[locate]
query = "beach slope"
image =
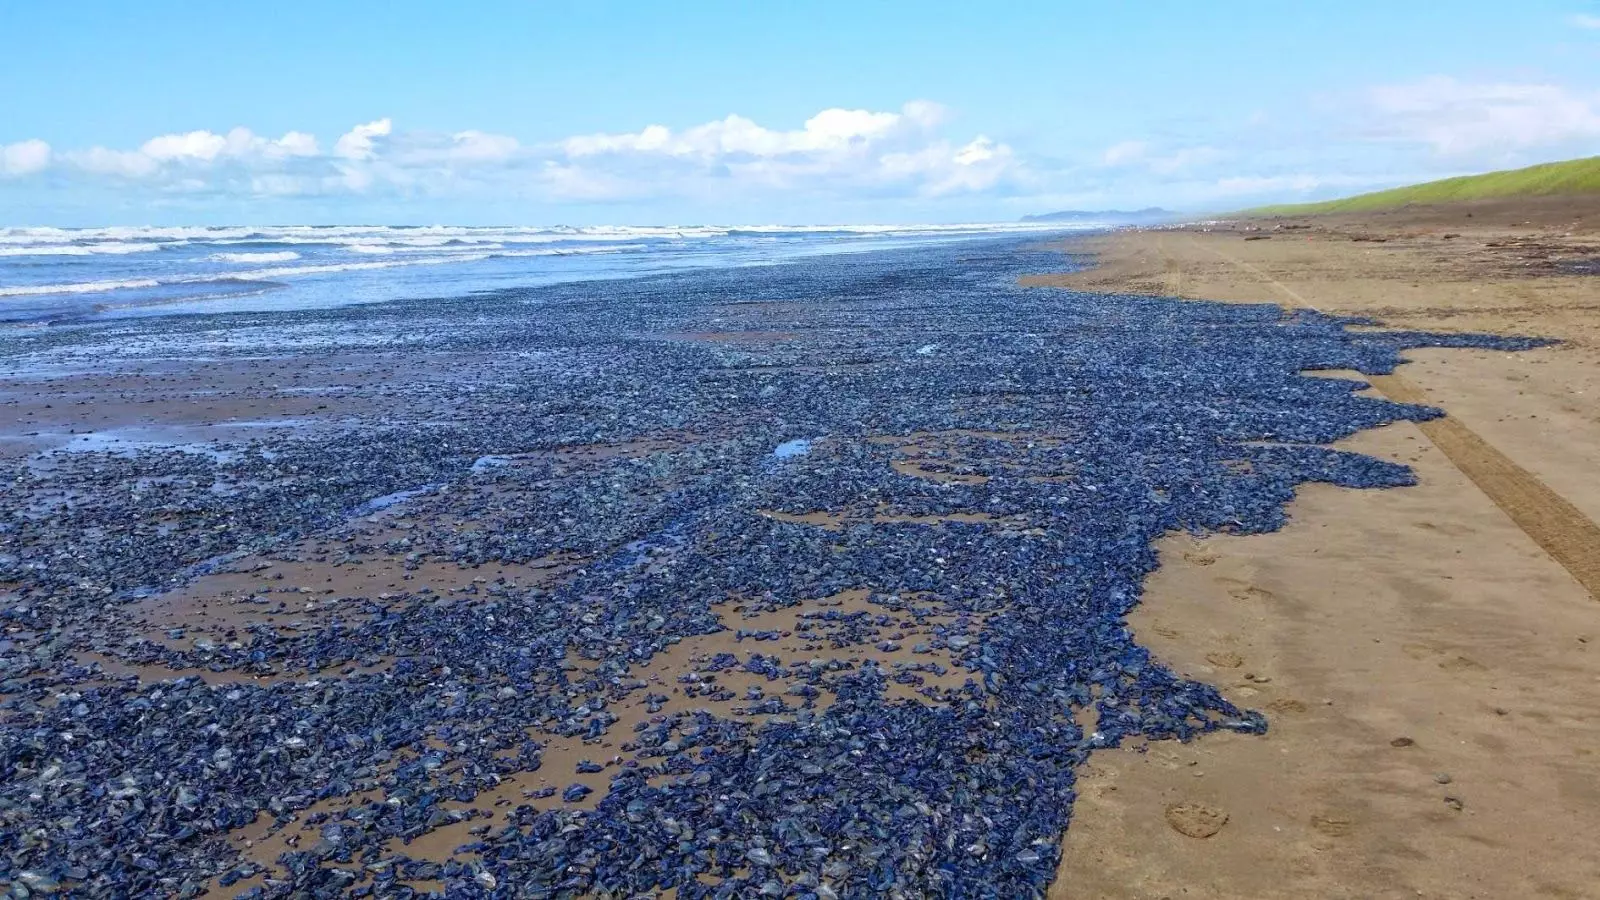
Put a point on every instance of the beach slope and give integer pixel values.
(1426, 656)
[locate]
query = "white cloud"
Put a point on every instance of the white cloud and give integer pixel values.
(240, 143)
(24, 157)
(830, 131)
(122, 163)
(925, 114)
(1455, 117)
(840, 152)
(483, 147)
(1586, 21)
(848, 150)
(352, 179)
(942, 168)
(194, 148)
(651, 139)
(438, 150)
(194, 145)
(244, 144)
(568, 182)
(297, 143)
(357, 143)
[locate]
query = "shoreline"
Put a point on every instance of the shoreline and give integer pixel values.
(1422, 660)
(577, 463)
(203, 271)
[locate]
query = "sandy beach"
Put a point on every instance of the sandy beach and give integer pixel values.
(821, 451)
(1427, 655)
(526, 561)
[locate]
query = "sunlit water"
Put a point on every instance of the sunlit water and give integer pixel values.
(51, 275)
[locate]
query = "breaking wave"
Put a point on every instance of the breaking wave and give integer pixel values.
(84, 287)
(77, 249)
(280, 256)
(56, 263)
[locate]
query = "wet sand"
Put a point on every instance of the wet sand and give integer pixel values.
(1427, 656)
(394, 553)
(1392, 637)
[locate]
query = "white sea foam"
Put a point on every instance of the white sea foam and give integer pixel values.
(106, 247)
(567, 251)
(280, 257)
(91, 255)
(82, 287)
(283, 256)
(113, 233)
(189, 299)
(391, 248)
(443, 235)
(293, 271)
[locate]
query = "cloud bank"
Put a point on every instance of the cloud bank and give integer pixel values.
(24, 157)
(911, 158)
(842, 150)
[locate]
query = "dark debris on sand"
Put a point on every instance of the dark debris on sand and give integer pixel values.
(984, 469)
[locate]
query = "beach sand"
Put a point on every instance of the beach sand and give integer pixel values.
(1428, 666)
(1429, 657)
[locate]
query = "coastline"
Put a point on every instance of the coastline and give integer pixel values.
(1424, 662)
(402, 380)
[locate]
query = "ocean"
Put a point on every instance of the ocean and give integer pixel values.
(60, 275)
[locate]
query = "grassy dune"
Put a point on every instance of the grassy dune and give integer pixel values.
(1575, 176)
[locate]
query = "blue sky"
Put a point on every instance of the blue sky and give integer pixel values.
(585, 113)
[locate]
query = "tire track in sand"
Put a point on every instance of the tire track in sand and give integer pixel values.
(1557, 526)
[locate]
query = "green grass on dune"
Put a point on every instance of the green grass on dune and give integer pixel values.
(1576, 176)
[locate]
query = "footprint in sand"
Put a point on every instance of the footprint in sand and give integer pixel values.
(1251, 592)
(1452, 662)
(1333, 826)
(1196, 820)
(1225, 659)
(1419, 651)
(1287, 705)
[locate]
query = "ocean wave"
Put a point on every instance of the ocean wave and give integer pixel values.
(346, 239)
(393, 248)
(246, 289)
(329, 268)
(87, 287)
(568, 251)
(76, 249)
(257, 250)
(123, 233)
(81, 287)
(280, 256)
(365, 238)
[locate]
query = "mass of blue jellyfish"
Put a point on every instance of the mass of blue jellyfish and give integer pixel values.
(805, 580)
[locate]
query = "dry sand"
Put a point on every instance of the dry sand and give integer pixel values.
(1429, 657)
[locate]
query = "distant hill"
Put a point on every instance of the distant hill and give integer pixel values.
(1577, 176)
(1108, 216)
